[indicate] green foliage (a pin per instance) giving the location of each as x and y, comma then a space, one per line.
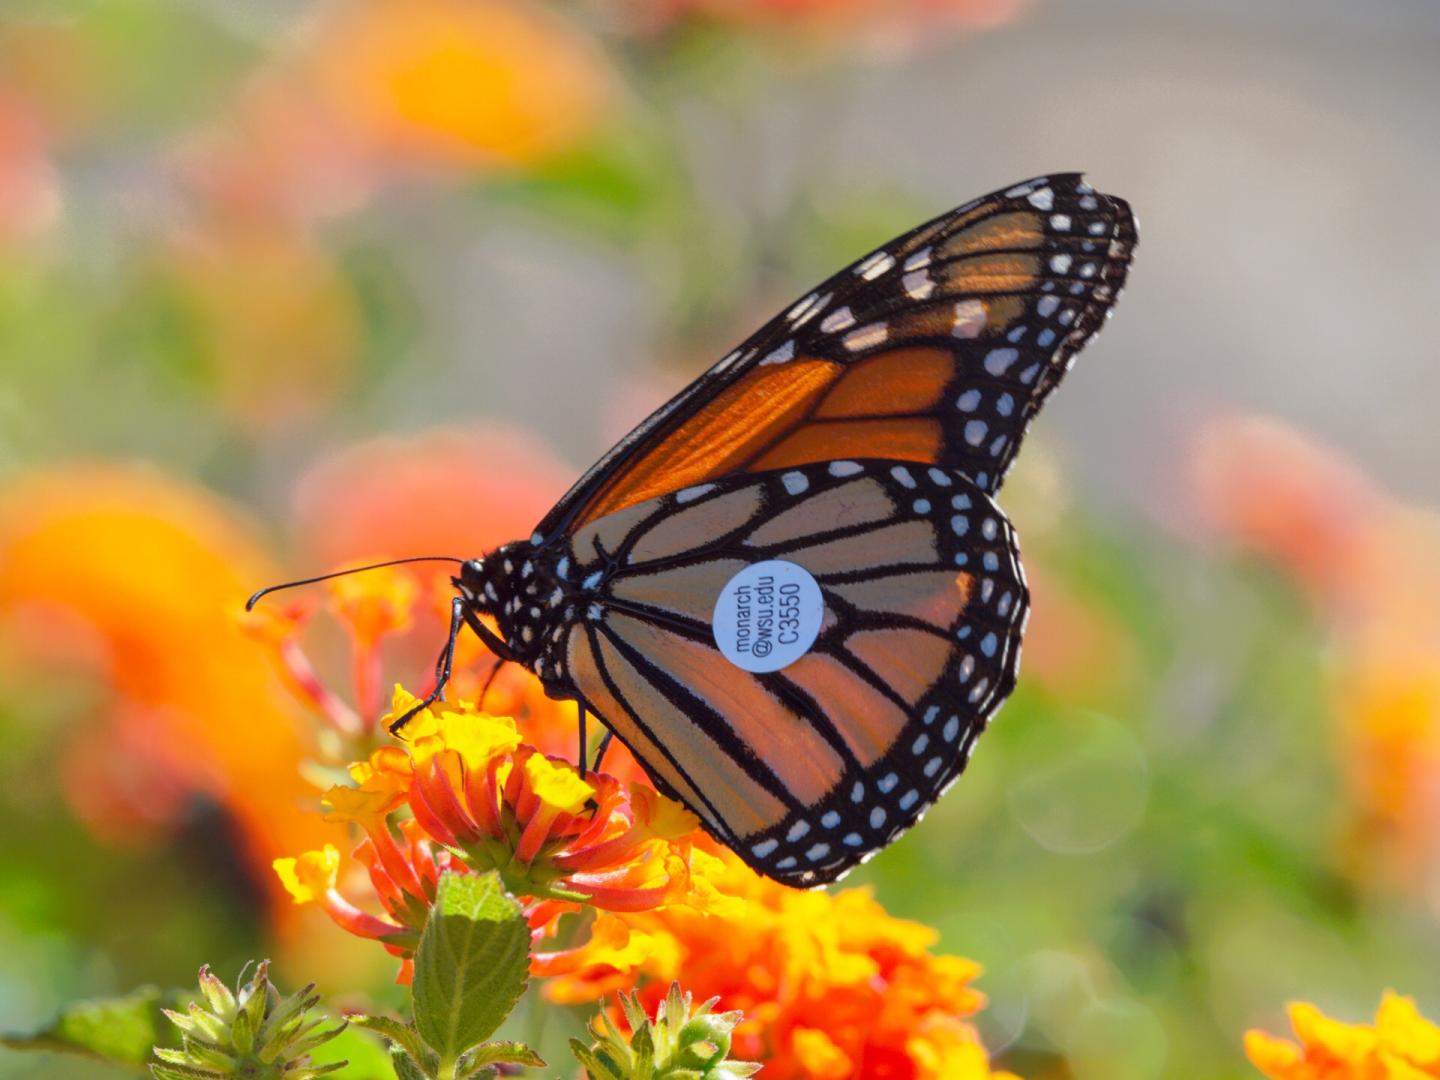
471, 968
120, 1030
252, 1032
679, 1044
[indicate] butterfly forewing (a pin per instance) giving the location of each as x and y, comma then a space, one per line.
808, 769
936, 349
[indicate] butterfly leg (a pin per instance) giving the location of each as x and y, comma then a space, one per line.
442, 673
600, 751
584, 751
494, 670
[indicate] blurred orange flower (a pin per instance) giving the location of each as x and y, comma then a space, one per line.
146, 574
458, 82
831, 986
1400, 1045
1372, 567
1285, 496
371, 91
439, 493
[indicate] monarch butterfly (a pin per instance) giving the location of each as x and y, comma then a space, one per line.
789, 591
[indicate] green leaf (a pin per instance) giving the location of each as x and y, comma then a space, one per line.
595, 1067
509, 1053
365, 1057
399, 1035
405, 1067
472, 963
121, 1030
612, 187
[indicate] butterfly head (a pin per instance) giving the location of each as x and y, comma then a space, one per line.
506, 586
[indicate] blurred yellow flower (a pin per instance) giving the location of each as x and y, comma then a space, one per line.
459, 82
1400, 1045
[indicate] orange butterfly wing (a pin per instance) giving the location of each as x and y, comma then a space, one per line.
938, 348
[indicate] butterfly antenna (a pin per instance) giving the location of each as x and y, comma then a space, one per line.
249, 604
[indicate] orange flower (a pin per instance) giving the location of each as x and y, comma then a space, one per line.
830, 985
137, 578
492, 803
1400, 1045
459, 82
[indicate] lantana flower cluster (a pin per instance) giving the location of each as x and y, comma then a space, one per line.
830, 985
465, 795
1400, 1045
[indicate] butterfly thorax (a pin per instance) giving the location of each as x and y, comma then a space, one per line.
516, 586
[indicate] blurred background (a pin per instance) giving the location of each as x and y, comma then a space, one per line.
287, 283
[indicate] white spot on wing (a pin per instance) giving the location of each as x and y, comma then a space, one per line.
879, 263
919, 260
867, 336
837, 320
806, 308
781, 355
690, 494
998, 361
970, 318
1044, 199
844, 468
918, 285
795, 482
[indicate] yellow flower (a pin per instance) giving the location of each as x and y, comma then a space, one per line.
559, 787
476, 736
1400, 1045
360, 804
309, 877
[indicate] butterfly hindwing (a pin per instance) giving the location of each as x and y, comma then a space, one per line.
938, 348
807, 770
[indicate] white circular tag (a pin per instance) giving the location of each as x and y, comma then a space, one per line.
768, 615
